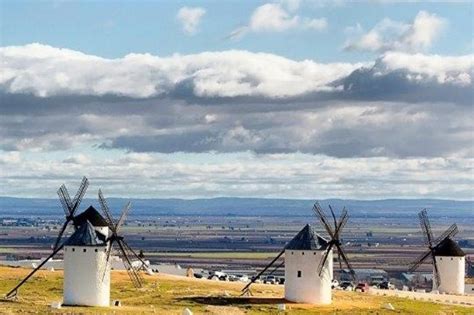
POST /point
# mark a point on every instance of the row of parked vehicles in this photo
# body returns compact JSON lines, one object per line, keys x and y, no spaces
{"x":221,"y":276}
{"x":272,"y":279}
{"x":361,"y":286}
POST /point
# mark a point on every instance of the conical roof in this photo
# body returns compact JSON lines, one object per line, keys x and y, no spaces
{"x":307,"y":239}
{"x":448,"y":247}
{"x":91,"y":215}
{"x":85,"y":235}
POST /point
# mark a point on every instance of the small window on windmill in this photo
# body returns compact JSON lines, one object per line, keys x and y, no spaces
{"x":299,"y":274}
{"x":84,"y":250}
{"x":96,"y":250}
{"x":292,"y":253}
{"x":302,"y":253}
{"x":451,"y":258}
{"x":314,"y":253}
{"x":73,"y":249}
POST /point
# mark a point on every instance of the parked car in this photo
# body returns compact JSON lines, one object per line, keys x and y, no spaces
{"x":386,"y":285}
{"x":347,"y":286}
{"x":269,"y":279}
{"x":334,"y":284}
{"x":217,"y":275}
{"x":242,"y":278}
{"x":362,"y":287}
{"x":198,"y":275}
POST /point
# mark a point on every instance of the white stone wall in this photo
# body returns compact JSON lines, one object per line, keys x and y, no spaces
{"x":86,"y":278}
{"x":451,"y":271}
{"x":310,"y":287}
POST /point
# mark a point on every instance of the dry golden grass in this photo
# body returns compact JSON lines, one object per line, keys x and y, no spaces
{"x":166,"y":294}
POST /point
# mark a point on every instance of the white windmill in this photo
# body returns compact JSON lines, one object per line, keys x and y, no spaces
{"x":447,"y":257}
{"x":309,"y":262}
{"x":303,"y":254}
{"x":87,"y":252}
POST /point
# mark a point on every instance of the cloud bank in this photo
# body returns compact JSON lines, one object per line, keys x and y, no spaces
{"x":401,"y":105}
{"x":292,"y":176}
{"x":46,"y":71}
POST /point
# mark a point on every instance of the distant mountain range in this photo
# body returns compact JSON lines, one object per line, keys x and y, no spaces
{"x":10,"y":206}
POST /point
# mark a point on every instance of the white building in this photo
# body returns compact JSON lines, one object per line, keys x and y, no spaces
{"x":451,"y":263}
{"x":86,"y":274}
{"x":303,"y":255}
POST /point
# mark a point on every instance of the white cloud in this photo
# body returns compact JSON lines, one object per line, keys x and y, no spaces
{"x":393,"y":35}
{"x":278,"y":17}
{"x":425,"y":29}
{"x":271,"y":17}
{"x":422,"y":68}
{"x":46,"y":71}
{"x":190,"y":18}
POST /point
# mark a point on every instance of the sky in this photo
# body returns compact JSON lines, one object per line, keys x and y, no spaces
{"x":288,"y":99}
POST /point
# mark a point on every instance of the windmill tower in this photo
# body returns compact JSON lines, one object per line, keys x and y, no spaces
{"x":86,"y":272}
{"x":309,"y":262}
{"x":303,"y":254}
{"x":447,"y":258}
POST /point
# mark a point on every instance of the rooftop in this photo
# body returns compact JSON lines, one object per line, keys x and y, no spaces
{"x":91,"y":215}
{"x":307,"y":239}
{"x":85,"y":235}
{"x":448,"y":247}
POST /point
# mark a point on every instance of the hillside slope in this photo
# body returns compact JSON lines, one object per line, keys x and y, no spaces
{"x":165,"y":294}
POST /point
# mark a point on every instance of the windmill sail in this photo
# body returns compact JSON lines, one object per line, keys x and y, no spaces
{"x":125,"y":251}
{"x":70,"y":206}
{"x":335,"y":237}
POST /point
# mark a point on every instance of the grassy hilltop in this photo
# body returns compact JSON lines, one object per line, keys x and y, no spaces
{"x":165,"y":294}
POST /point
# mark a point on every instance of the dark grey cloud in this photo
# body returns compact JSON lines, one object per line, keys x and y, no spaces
{"x":367,"y":84}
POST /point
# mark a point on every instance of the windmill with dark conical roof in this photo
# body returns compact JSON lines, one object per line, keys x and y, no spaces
{"x":309,"y":261}
{"x":70,"y":207}
{"x":447,"y":257}
{"x":87,"y":253}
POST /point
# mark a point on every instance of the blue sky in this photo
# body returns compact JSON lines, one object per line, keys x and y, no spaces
{"x":288,"y":99}
{"x":116,"y":28}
